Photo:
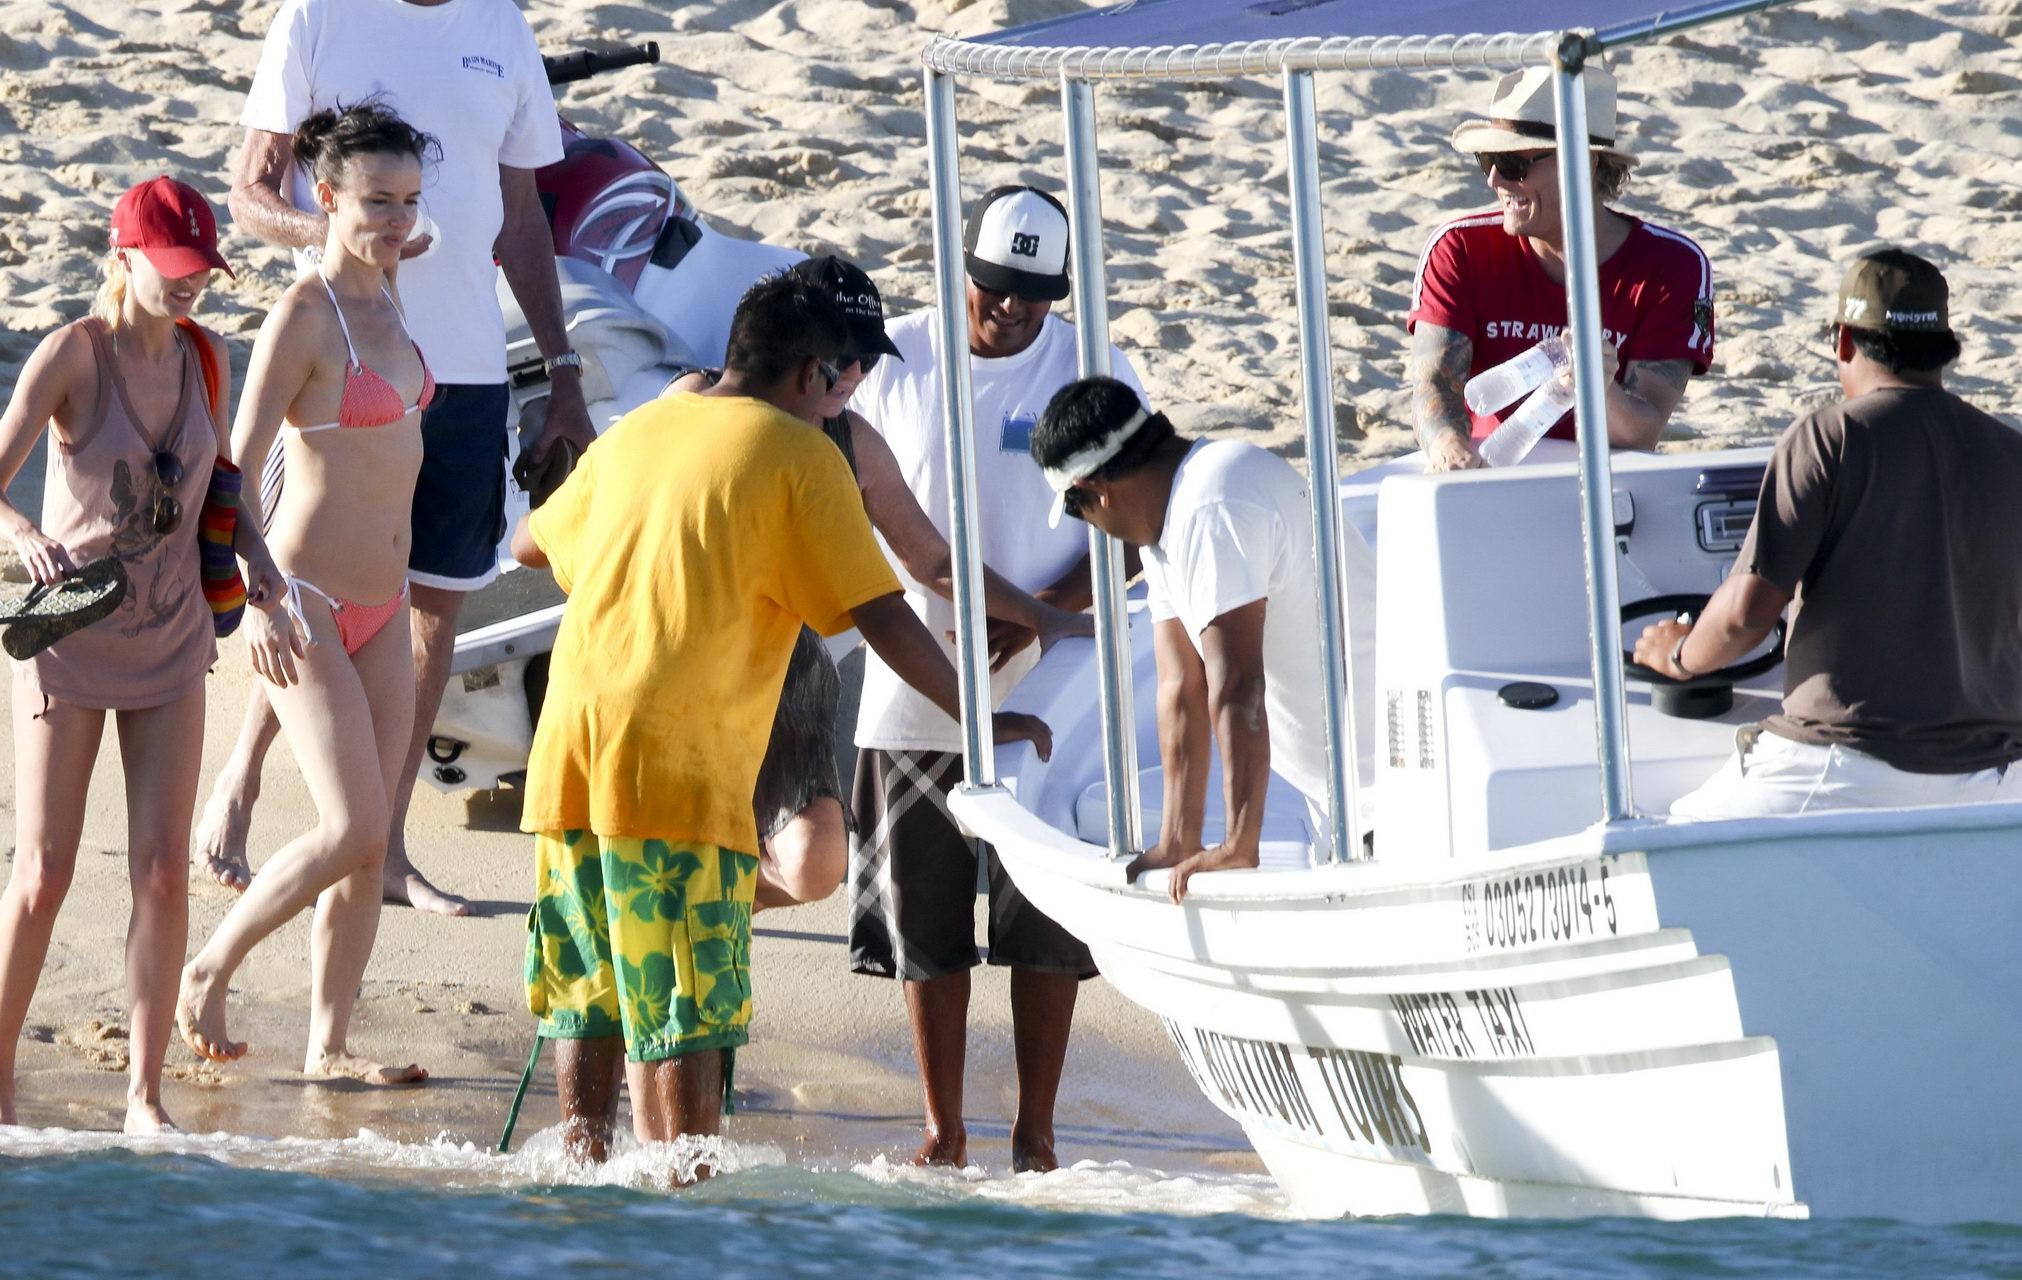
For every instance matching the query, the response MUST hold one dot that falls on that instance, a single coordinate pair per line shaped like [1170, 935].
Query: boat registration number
[1558, 904]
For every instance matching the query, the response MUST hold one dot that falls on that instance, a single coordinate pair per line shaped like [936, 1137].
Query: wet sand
[827, 1078]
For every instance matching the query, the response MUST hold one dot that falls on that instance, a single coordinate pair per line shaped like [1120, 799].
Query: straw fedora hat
[1521, 116]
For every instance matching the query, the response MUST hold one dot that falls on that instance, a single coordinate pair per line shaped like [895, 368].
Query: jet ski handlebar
[568, 68]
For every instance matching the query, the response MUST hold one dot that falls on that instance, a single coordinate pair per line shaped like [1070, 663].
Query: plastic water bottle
[1511, 442]
[1491, 389]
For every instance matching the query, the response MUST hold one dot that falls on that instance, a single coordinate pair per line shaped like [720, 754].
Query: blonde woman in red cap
[133, 395]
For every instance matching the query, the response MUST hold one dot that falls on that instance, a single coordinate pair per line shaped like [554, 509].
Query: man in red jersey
[1491, 284]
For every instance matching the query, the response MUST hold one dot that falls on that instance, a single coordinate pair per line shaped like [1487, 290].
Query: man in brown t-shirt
[1892, 519]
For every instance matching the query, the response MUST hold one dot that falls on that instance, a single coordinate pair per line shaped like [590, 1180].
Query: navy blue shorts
[459, 501]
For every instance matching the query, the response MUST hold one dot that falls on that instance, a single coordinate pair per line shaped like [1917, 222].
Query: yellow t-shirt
[693, 540]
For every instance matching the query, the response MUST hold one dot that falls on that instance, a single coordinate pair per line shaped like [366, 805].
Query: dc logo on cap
[1024, 246]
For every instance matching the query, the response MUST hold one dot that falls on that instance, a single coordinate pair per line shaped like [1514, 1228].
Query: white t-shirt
[1238, 529]
[467, 72]
[902, 399]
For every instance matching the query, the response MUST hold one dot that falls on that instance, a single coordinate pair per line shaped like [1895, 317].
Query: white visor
[1085, 463]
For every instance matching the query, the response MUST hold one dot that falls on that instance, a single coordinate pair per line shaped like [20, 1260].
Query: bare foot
[1156, 858]
[200, 1017]
[1033, 1155]
[351, 1067]
[144, 1118]
[218, 850]
[406, 886]
[943, 1149]
[1219, 858]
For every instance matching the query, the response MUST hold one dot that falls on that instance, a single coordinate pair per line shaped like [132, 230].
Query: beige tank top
[98, 499]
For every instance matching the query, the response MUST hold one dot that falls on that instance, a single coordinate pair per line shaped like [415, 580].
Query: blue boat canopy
[1203, 39]
[1156, 22]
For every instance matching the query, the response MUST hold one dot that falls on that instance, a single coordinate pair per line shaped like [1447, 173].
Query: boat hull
[1639, 1021]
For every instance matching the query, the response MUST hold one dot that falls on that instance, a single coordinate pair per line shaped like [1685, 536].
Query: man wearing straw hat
[1491, 284]
[1890, 519]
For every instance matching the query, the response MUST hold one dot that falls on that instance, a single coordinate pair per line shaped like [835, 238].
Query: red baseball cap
[172, 224]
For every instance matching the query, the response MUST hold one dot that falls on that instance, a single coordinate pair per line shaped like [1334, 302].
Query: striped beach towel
[224, 588]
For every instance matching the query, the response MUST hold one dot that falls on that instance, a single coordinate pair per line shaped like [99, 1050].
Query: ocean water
[86, 1205]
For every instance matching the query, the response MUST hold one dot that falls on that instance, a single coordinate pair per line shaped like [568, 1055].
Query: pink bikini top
[369, 400]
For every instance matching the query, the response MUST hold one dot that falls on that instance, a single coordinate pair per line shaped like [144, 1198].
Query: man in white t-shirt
[1226, 532]
[913, 873]
[468, 73]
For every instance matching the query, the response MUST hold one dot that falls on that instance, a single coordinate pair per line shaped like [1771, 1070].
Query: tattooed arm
[1643, 401]
[1440, 359]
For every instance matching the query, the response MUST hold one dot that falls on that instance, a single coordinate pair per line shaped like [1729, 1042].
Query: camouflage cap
[1894, 291]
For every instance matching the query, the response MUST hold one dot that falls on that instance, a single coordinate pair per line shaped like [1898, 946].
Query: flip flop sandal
[48, 613]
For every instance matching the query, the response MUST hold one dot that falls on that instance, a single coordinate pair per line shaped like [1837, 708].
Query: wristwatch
[566, 360]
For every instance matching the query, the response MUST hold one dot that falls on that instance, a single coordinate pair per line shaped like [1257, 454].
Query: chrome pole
[1597, 507]
[1316, 368]
[1105, 554]
[979, 757]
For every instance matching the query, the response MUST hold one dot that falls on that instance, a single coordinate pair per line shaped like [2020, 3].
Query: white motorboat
[1508, 1008]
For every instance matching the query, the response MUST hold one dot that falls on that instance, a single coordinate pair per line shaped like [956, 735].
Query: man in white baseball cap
[1491, 284]
[1016, 243]
[912, 872]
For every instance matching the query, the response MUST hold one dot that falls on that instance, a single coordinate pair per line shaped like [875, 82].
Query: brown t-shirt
[1897, 520]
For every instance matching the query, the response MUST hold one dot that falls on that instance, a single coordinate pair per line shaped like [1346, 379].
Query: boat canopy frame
[1077, 69]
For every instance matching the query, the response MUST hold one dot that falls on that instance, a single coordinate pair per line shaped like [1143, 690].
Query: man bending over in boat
[1491, 284]
[694, 541]
[1891, 519]
[1226, 532]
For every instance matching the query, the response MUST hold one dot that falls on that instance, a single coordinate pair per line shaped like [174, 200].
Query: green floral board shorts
[648, 939]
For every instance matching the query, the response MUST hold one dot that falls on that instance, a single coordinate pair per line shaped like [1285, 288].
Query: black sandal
[47, 613]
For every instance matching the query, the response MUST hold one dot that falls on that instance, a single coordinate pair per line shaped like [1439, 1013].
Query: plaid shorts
[913, 881]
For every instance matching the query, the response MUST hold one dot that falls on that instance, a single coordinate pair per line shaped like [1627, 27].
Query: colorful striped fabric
[224, 589]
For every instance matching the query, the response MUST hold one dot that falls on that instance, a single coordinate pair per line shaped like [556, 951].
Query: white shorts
[1770, 775]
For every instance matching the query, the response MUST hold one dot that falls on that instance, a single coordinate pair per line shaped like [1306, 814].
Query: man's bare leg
[587, 1074]
[1042, 1015]
[939, 1011]
[678, 1096]
[804, 861]
[432, 612]
[218, 850]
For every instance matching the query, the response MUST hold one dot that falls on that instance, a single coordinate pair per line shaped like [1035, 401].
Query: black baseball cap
[862, 307]
[1016, 243]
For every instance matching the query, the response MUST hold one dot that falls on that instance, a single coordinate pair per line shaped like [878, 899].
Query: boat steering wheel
[1709, 693]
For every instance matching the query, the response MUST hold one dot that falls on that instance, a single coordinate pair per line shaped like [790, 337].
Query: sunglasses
[829, 373]
[865, 361]
[1514, 166]
[168, 513]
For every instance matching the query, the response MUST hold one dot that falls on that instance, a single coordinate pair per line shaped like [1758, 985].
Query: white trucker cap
[1016, 242]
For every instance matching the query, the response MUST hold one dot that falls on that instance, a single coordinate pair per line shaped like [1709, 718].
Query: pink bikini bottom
[356, 623]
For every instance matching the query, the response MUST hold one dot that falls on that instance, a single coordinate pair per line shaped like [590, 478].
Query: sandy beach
[1782, 143]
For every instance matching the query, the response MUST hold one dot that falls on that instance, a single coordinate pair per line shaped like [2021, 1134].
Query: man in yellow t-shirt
[694, 541]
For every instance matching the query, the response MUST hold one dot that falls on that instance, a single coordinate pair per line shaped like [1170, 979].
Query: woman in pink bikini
[335, 372]
[135, 430]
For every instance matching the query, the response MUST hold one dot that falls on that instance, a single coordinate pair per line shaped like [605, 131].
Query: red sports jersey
[1478, 280]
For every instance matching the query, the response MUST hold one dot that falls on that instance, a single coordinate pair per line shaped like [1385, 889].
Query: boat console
[1484, 723]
